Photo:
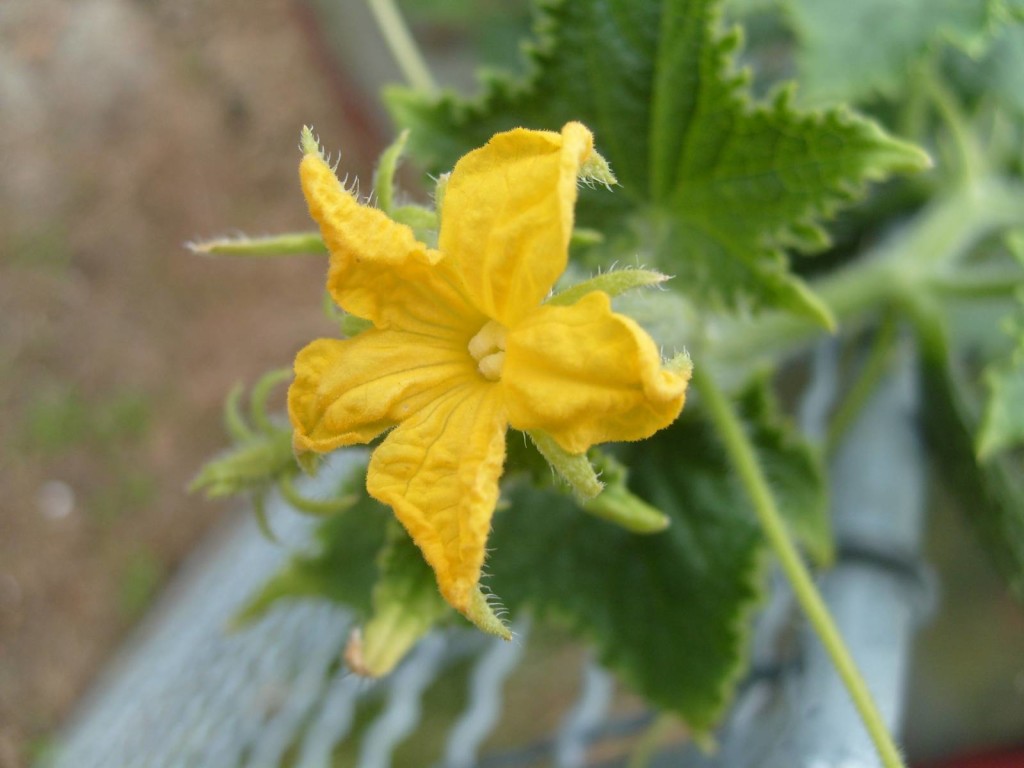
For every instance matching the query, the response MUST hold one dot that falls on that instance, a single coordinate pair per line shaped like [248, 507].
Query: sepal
[575, 469]
[484, 616]
[596, 170]
[614, 283]
[600, 490]
[617, 504]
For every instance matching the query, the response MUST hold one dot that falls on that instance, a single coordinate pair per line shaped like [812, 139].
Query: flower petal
[439, 471]
[379, 271]
[508, 214]
[349, 391]
[586, 375]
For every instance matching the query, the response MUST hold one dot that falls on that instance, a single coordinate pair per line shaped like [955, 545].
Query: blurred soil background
[128, 127]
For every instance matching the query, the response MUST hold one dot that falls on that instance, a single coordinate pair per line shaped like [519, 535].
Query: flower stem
[969, 162]
[745, 461]
[403, 47]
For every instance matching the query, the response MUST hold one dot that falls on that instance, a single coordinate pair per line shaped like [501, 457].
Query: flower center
[488, 349]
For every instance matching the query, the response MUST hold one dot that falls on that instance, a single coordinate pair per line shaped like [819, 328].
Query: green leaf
[1003, 424]
[342, 567]
[712, 187]
[668, 611]
[991, 493]
[851, 50]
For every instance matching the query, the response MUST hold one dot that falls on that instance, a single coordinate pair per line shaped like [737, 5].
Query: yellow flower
[462, 347]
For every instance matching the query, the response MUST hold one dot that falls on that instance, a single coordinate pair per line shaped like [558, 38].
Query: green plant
[722, 191]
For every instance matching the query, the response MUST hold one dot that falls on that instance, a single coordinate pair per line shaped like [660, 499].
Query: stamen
[488, 349]
[490, 366]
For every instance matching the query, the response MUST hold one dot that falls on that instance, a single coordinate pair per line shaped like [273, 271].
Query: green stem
[288, 244]
[870, 374]
[314, 507]
[968, 154]
[237, 427]
[981, 284]
[260, 393]
[403, 47]
[745, 461]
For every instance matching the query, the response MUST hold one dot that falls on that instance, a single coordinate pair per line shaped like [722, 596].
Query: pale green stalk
[745, 461]
[288, 244]
[857, 396]
[403, 47]
[968, 153]
[981, 284]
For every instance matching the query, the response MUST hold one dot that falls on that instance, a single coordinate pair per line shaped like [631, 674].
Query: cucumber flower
[462, 346]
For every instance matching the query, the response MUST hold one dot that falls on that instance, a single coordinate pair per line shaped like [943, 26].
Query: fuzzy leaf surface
[713, 187]
[669, 612]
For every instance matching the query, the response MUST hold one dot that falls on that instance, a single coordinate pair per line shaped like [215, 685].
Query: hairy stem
[745, 461]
